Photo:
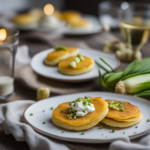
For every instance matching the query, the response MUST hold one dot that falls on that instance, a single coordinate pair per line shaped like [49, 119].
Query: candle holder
[9, 40]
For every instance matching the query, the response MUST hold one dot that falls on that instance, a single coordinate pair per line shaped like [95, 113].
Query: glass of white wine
[134, 21]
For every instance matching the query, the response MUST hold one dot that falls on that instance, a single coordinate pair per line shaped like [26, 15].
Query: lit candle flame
[3, 35]
[48, 9]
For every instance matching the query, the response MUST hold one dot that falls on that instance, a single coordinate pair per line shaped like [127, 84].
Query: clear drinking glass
[134, 22]
[108, 13]
[9, 40]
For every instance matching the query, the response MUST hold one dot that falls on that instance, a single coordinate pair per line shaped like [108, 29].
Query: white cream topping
[49, 21]
[81, 110]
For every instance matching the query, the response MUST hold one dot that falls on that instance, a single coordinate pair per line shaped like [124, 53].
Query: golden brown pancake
[129, 112]
[120, 124]
[79, 22]
[82, 67]
[25, 19]
[55, 57]
[80, 123]
[70, 15]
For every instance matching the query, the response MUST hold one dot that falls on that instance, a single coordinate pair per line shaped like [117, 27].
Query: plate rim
[93, 141]
[69, 80]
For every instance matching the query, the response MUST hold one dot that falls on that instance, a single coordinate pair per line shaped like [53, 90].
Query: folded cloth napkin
[12, 122]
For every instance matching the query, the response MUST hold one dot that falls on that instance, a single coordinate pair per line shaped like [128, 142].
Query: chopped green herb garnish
[123, 132]
[43, 110]
[148, 120]
[134, 133]
[106, 136]
[62, 111]
[136, 127]
[60, 48]
[62, 132]
[113, 131]
[82, 133]
[31, 114]
[84, 111]
[51, 108]
[102, 134]
[70, 104]
[43, 122]
[122, 109]
[101, 127]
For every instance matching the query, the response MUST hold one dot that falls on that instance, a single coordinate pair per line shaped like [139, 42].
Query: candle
[6, 85]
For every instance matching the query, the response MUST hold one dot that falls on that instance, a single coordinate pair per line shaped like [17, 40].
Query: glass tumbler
[9, 40]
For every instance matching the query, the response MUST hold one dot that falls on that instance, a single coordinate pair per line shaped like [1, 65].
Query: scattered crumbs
[148, 120]
[136, 127]
[51, 108]
[43, 110]
[62, 132]
[31, 114]
[43, 122]
[82, 133]
[101, 127]
[123, 132]
[134, 132]
[62, 111]
[113, 131]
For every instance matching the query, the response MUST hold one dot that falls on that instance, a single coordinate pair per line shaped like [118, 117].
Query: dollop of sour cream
[81, 109]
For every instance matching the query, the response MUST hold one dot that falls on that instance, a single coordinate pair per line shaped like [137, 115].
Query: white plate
[7, 24]
[37, 64]
[96, 27]
[93, 135]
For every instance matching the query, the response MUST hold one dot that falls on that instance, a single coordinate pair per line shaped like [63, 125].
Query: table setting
[71, 80]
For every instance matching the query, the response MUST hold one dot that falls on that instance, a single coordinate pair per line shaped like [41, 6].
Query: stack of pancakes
[129, 117]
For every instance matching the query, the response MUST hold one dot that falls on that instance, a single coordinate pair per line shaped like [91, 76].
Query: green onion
[51, 108]
[136, 127]
[60, 48]
[122, 109]
[123, 132]
[73, 64]
[133, 80]
[148, 120]
[43, 122]
[62, 111]
[101, 127]
[43, 110]
[31, 114]
[84, 111]
[82, 133]
[113, 131]
[62, 132]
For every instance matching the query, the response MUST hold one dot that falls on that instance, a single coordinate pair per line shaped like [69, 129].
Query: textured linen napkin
[12, 122]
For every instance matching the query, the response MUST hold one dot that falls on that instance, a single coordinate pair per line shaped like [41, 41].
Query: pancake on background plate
[80, 25]
[70, 15]
[60, 53]
[66, 117]
[25, 20]
[82, 67]
[124, 115]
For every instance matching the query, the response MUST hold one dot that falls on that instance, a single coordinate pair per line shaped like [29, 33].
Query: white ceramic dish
[93, 135]
[7, 24]
[37, 64]
[96, 27]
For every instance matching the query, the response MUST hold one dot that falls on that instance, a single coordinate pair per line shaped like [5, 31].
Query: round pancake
[73, 51]
[55, 57]
[80, 123]
[70, 15]
[25, 19]
[79, 23]
[129, 111]
[133, 119]
[120, 124]
[82, 67]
